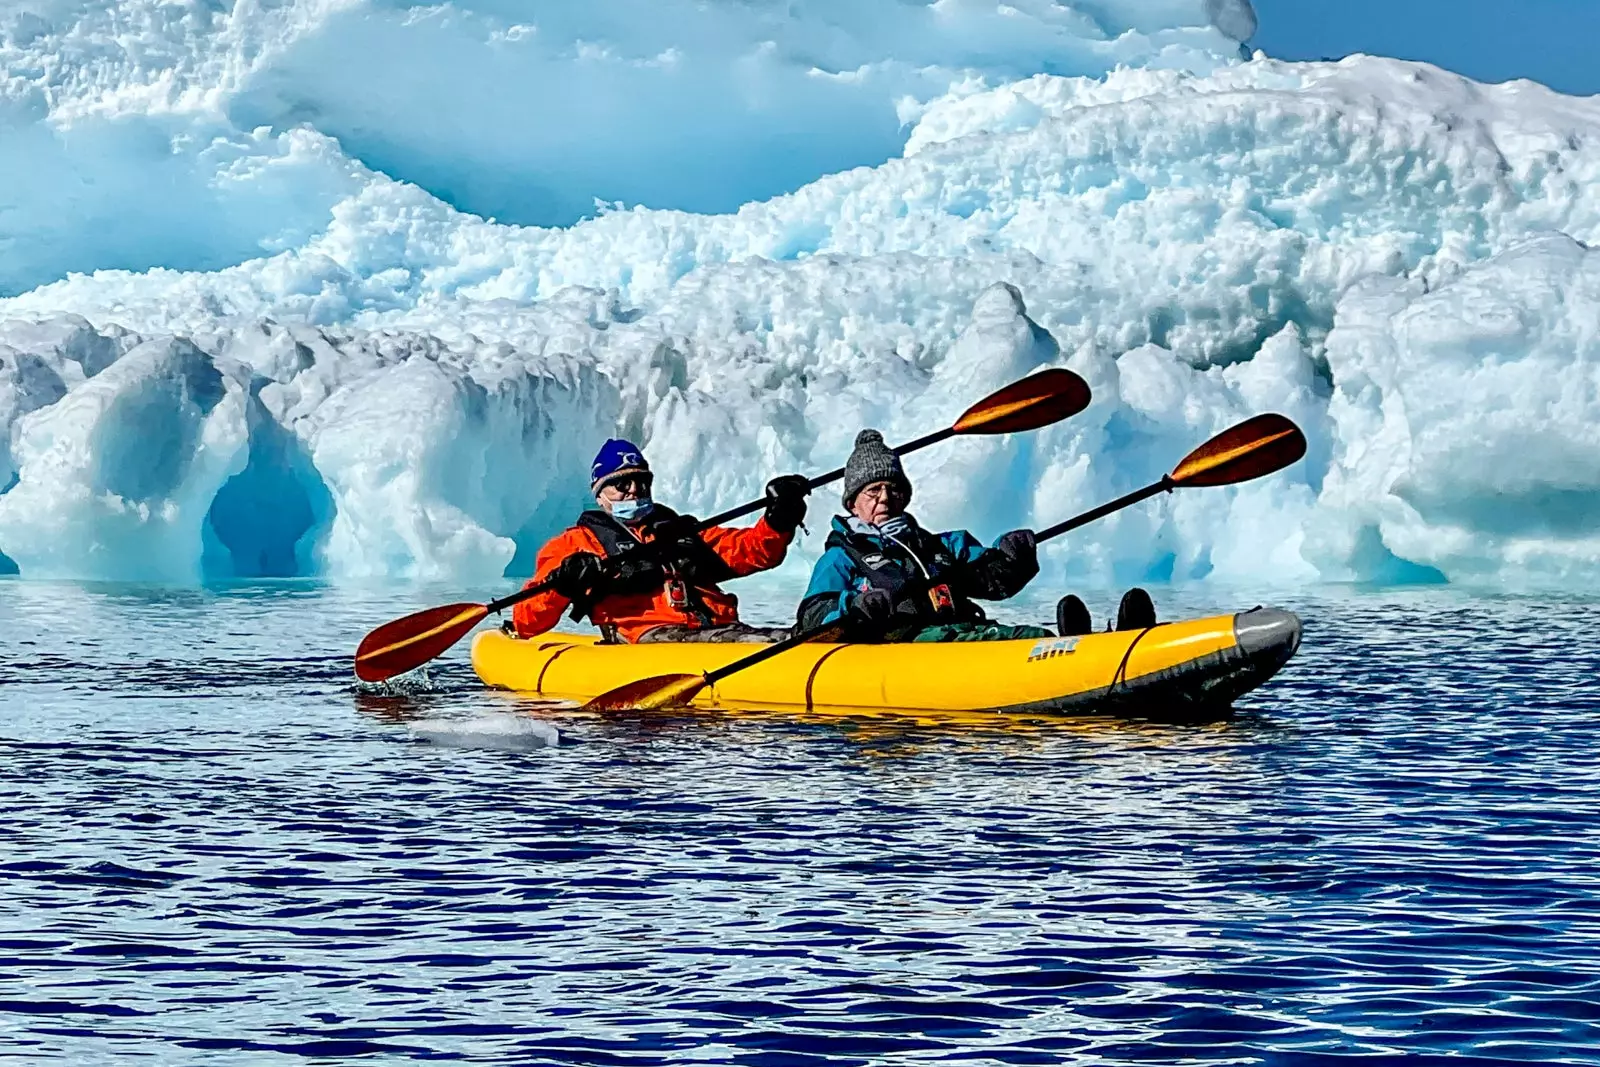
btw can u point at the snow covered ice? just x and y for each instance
(291, 450)
(335, 319)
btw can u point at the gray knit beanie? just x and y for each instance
(872, 461)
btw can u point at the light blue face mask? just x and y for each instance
(632, 510)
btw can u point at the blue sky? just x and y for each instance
(1556, 42)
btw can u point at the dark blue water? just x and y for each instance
(216, 850)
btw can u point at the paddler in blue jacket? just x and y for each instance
(889, 579)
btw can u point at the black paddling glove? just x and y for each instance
(1003, 570)
(1022, 548)
(786, 502)
(872, 608)
(676, 529)
(579, 576)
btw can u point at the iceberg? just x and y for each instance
(110, 476)
(142, 133)
(1465, 417)
(282, 451)
(333, 360)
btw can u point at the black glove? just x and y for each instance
(872, 606)
(579, 576)
(786, 501)
(1022, 548)
(1001, 572)
(677, 528)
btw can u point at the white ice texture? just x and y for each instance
(325, 355)
(500, 732)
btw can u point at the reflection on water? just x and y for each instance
(218, 844)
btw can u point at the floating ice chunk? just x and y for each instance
(506, 733)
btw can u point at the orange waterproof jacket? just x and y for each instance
(744, 550)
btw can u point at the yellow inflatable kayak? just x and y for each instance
(1173, 669)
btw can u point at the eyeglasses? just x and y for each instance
(638, 484)
(882, 490)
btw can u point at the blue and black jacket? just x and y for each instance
(904, 566)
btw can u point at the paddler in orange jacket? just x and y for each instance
(672, 592)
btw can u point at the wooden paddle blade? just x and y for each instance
(648, 694)
(1255, 447)
(1035, 401)
(408, 643)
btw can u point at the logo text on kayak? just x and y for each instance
(1049, 649)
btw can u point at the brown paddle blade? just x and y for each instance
(1027, 404)
(649, 694)
(406, 644)
(1255, 447)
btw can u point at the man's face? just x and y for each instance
(879, 501)
(630, 487)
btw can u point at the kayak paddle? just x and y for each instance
(1026, 404)
(1254, 448)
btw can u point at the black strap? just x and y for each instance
(636, 566)
(900, 577)
(872, 561)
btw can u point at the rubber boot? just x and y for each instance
(1137, 611)
(1072, 617)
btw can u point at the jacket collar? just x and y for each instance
(843, 527)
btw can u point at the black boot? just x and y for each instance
(1137, 611)
(1072, 617)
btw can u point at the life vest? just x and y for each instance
(679, 571)
(891, 565)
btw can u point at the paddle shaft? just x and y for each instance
(1031, 402)
(518, 597)
(803, 637)
(1165, 485)
(832, 476)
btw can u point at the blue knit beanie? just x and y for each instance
(615, 459)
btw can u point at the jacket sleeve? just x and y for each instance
(986, 573)
(963, 546)
(539, 613)
(748, 549)
(828, 595)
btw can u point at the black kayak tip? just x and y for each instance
(1267, 633)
